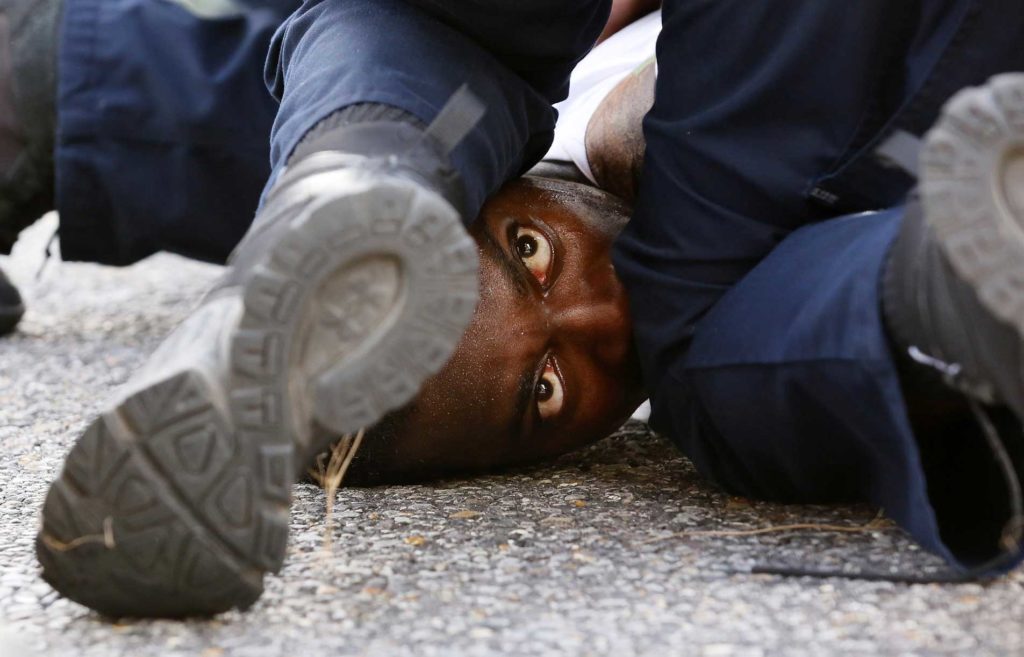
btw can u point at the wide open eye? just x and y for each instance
(549, 393)
(534, 249)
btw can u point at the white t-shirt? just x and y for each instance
(593, 79)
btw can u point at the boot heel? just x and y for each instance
(147, 517)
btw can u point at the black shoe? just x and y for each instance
(11, 305)
(953, 291)
(353, 287)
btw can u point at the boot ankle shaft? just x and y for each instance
(400, 147)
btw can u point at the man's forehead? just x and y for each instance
(573, 204)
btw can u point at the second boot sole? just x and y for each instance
(972, 191)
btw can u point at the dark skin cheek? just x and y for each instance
(615, 138)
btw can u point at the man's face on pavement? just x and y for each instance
(547, 364)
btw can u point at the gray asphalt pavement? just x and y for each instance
(599, 553)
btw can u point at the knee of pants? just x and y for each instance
(335, 54)
(538, 39)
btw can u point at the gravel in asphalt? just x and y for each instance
(594, 554)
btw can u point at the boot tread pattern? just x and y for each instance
(120, 528)
(175, 501)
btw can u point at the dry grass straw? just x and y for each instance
(876, 524)
(106, 538)
(331, 473)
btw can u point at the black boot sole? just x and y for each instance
(175, 501)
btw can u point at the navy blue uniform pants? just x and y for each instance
(166, 132)
(752, 263)
(754, 257)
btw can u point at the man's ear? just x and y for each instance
(614, 139)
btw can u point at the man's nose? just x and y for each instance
(599, 328)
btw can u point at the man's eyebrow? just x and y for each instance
(524, 398)
(515, 275)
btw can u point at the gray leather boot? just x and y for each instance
(954, 285)
(353, 287)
